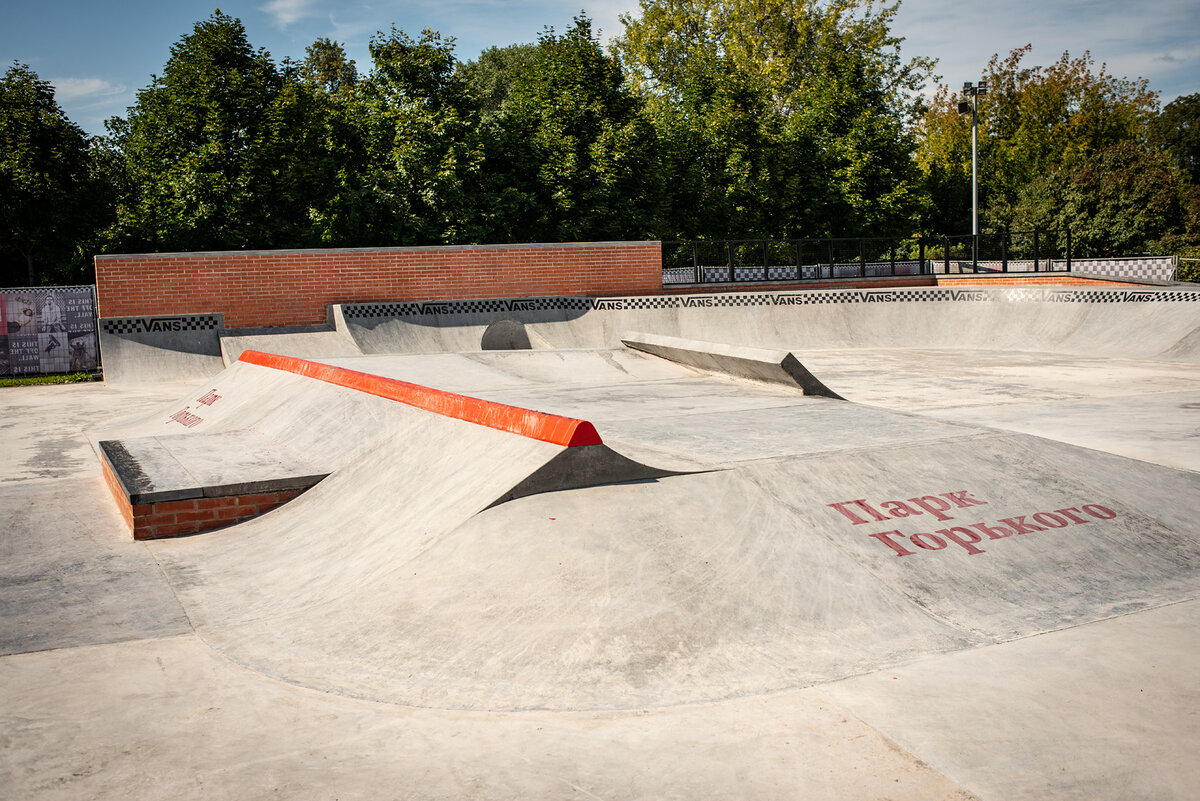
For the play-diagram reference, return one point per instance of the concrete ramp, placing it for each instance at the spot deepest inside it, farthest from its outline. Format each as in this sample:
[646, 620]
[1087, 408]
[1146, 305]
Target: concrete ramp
[740, 361]
[188, 483]
[305, 342]
[766, 575]
[153, 350]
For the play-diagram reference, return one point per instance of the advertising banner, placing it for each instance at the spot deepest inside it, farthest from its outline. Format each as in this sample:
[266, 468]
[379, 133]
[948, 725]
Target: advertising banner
[45, 330]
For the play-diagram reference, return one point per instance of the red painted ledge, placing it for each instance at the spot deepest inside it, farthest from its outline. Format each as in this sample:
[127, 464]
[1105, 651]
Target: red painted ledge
[551, 428]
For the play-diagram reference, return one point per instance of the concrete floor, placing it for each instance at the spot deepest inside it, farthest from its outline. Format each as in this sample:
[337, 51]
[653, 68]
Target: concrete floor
[765, 655]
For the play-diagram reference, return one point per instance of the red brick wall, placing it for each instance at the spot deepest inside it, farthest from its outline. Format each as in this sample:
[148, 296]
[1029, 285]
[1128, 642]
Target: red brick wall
[178, 518]
[294, 287]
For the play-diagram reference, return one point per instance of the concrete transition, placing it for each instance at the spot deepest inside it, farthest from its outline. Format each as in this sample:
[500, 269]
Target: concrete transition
[212, 477]
[757, 364]
[954, 554]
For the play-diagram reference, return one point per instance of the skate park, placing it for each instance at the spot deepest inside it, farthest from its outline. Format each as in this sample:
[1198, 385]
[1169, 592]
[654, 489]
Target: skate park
[892, 539]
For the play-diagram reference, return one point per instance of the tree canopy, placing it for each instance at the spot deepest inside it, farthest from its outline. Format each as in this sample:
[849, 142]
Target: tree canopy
[800, 110]
[1177, 132]
[1061, 146]
[51, 201]
[705, 119]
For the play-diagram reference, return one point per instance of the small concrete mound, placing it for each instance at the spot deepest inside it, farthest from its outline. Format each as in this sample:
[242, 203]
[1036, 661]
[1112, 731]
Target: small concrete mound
[505, 335]
[771, 575]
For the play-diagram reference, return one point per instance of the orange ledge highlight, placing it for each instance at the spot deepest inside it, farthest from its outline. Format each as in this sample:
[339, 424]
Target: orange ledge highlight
[551, 428]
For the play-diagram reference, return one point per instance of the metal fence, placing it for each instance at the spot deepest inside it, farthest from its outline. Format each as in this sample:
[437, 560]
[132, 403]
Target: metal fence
[775, 260]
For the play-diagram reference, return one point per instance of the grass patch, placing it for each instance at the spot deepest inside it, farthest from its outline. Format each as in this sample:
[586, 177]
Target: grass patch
[29, 381]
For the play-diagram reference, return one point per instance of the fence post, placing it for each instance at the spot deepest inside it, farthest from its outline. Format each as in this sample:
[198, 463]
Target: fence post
[799, 260]
[1004, 251]
[729, 253]
[766, 260]
[1068, 250]
[892, 256]
[831, 275]
[697, 273]
[975, 253]
[921, 256]
[862, 258]
[1036, 265]
[946, 254]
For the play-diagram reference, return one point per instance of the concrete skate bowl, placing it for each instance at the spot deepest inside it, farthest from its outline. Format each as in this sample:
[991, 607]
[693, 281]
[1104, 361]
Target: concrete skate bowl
[1138, 323]
[812, 538]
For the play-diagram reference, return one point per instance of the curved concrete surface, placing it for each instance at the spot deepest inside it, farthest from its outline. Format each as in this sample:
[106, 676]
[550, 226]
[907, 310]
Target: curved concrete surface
[1136, 323]
[903, 596]
[303, 344]
[755, 364]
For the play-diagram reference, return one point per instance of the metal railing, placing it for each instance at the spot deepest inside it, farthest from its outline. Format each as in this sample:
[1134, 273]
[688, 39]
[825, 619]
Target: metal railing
[785, 260]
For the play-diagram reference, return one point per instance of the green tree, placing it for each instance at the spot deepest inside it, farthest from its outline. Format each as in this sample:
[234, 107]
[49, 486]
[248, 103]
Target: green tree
[195, 147]
[789, 116]
[1125, 200]
[420, 180]
[491, 76]
[226, 150]
[571, 155]
[51, 198]
[315, 148]
[1034, 122]
[325, 66]
[1177, 131]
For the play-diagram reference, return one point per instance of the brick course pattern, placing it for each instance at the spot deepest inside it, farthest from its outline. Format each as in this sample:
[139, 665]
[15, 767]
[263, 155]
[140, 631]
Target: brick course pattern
[152, 521]
[295, 287]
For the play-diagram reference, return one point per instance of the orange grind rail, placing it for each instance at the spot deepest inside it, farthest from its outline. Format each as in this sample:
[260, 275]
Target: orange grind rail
[552, 428]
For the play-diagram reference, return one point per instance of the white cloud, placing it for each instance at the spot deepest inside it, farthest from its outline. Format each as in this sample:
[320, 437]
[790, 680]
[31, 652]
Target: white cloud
[76, 90]
[286, 12]
[1153, 38]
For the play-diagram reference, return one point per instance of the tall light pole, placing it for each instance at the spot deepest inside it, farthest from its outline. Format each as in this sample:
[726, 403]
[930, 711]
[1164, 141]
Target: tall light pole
[974, 91]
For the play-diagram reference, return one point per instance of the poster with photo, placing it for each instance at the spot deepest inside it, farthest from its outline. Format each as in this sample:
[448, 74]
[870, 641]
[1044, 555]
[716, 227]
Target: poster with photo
[47, 330]
[50, 314]
[21, 308]
[82, 352]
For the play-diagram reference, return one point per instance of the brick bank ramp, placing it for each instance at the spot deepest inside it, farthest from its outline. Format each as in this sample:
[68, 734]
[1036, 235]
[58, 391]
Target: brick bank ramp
[864, 538]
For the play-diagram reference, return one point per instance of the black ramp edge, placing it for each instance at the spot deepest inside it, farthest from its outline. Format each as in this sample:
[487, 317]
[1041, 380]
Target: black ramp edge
[583, 466]
[809, 383]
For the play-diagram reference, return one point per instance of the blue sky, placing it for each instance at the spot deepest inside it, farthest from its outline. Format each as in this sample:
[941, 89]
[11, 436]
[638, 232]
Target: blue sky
[98, 54]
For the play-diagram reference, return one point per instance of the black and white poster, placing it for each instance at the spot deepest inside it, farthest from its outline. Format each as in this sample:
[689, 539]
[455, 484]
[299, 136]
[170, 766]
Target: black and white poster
[46, 330]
